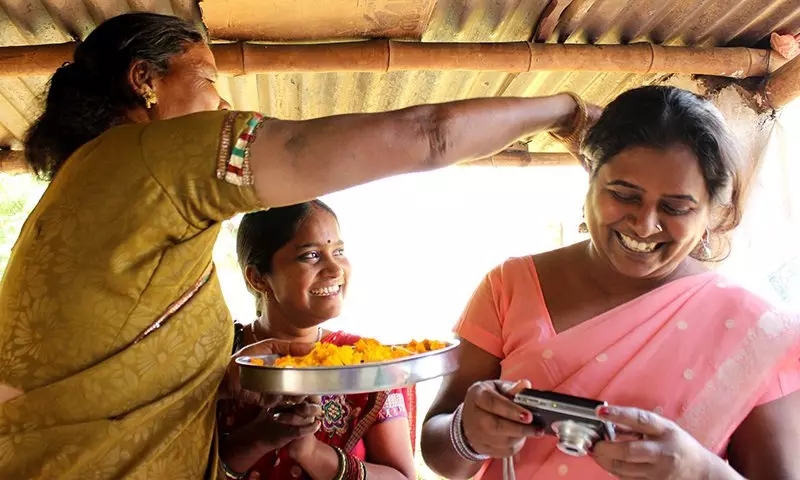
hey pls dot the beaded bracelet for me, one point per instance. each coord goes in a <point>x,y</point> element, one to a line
<point>459,441</point>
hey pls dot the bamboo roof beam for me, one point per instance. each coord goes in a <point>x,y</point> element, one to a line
<point>387,56</point>
<point>13,162</point>
<point>783,86</point>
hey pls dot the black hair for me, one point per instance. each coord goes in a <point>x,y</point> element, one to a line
<point>261,234</point>
<point>92,94</point>
<point>663,116</point>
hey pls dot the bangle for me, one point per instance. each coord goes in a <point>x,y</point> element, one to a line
<point>459,441</point>
<point>363,470</point>
<point>350,467</point>
<point>579,123</point>
<point>230,474</point>
<point>342,463</point>
<point>354,470</point>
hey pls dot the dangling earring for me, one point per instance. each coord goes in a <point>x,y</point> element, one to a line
<point>706,247</point>
<point>149,97</point>
<point>582,227</point>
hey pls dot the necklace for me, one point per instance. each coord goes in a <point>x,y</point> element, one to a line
<point>257,337</point>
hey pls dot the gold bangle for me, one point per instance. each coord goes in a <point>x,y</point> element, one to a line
<point>579,122</point>
<point>342,463</point>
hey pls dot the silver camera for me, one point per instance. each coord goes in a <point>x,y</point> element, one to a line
<point>572,420</point>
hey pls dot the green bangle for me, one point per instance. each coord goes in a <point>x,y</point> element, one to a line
<point>230,474</point>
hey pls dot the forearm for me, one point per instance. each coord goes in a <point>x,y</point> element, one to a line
<point>475,129</point>
<point>438,451</point>
<point>297,161</point>
<point>324,465</point>
<point>240,453</point>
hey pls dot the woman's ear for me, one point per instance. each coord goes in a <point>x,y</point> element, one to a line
<point>140,78</point>
<point>256,280</point>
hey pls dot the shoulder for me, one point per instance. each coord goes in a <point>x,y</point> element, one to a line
<point>728,299</point>
<point>724,291</point>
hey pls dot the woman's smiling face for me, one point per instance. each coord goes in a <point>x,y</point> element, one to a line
<point>647,209</point>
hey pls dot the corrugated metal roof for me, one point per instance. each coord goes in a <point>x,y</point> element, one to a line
<point>296,96</point>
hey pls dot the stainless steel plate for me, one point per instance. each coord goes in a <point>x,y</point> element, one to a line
<point>363,378</point>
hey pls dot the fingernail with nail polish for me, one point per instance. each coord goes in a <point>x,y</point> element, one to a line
<point>604,411</point>
<point>525,417</point>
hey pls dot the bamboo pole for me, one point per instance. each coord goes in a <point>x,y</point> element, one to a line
<point>515,158</point>
<point>13,162</point>
<point>783,86</point>
<point>34,59</point>
<point>514,57</point>
<point>387,56</point>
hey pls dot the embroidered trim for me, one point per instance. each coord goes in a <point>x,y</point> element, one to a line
<point>394,407</point>
<point>366,421</point>
<point>233,163</point>
<point>177,304</point>
<point>224,152</point>
<point>411,413</point>
<point>335,414</point>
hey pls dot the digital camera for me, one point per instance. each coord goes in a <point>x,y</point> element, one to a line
<point>570,419</point>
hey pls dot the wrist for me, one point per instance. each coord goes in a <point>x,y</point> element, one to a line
<point>719,469</point>
<point>459,440</point>
<point>239,451</point>
<point>567,110</point>
<point>306,453</point>
<point>573,124</point>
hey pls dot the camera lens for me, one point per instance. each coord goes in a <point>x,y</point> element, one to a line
<point>575,438</point>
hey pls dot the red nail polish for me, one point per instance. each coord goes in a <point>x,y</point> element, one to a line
<point>602,411</point>
<point>525,417</point>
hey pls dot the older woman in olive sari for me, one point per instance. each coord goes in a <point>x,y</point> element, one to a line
<point>114,335</point>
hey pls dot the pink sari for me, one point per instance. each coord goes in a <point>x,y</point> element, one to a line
<point>697,351</point>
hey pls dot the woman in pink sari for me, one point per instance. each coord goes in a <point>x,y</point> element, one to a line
<point>293,261</point>
<point>705,374</point>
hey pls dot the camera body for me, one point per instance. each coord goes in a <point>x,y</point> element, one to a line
<point>572,420</point>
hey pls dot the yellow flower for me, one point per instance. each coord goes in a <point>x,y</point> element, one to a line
<point>365,350</point>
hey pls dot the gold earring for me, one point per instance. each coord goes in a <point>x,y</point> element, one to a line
<point>150,98</point>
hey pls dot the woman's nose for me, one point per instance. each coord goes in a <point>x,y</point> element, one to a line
<point>645,223</point>
<point>333,269</point>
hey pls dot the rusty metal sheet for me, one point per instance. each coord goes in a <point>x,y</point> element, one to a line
<point>314,20</point>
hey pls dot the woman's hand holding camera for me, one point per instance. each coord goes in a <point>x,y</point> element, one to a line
<point>493,424</point>
<point>662,451</point>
